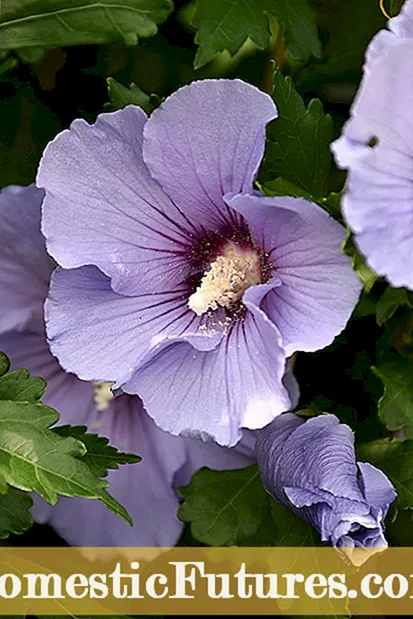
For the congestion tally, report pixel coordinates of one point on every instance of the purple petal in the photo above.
(402, 24)
(398, 28)
(332, 450)
(269, 446)
(314, 289)
(25, 267)
(71, 397)
(377, 205)
(291, 385)
(102, 207)
(145, 489)
(376, 487)
(200, 453)
(206, 140)
(311, 467)
(239, 384)
(101, 335)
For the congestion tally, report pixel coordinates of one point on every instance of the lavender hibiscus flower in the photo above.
(377, 148)
(178, 278)
(146, 489)
(311, 467)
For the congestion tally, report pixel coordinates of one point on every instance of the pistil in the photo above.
(223, 284)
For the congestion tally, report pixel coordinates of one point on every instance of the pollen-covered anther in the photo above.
(102, 395)
(228, 277)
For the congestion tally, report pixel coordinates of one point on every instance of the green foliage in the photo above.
(55, 23)
(281, 187)
(20, 386)
(298, 143)
(396, 405)
(351, 25)
(26, 125)
(224, 508)
(33, 457)
(289, 530)
(367, 277)
(4, 364)
(15, 516)
(227, 508)
(395, 6)
(390, 301)
(120, 96)
(226, 24)
(100, 456)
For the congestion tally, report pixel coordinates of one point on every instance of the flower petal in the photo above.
(316, 289)
(269, 445)
(239, 384)
(206, 140)
(145, 489)
(332, 450)
(376, 147)
(102, 207)
(206, 453)
(71, 397)
(101, 335)
(311, 467)
(285, 450)
(25, 267)
(376, 487)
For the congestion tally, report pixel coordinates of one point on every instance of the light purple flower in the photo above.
(311, 467)
(147, 489)
(377, 148)
(185, 283)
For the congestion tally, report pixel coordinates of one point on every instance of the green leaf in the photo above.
(26, 126)
(396, 404)
(100, 456)
(15, 516)
(4, 363)
(7, 65)
(20, 386)
(120, 96)
(395, 459)
(351, 25)
(290, 530)
(56, 23)
(367, 277)
(390, 301)
(281, 187)
(226, 24)
(224, 507)
(35, 458)
(298, 141)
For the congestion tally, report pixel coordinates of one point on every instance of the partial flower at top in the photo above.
(185, 283)
(376, 147)
(311, 467)
(147, 489)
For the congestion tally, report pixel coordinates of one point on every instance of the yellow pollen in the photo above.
(227, 279)
(102, 395)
